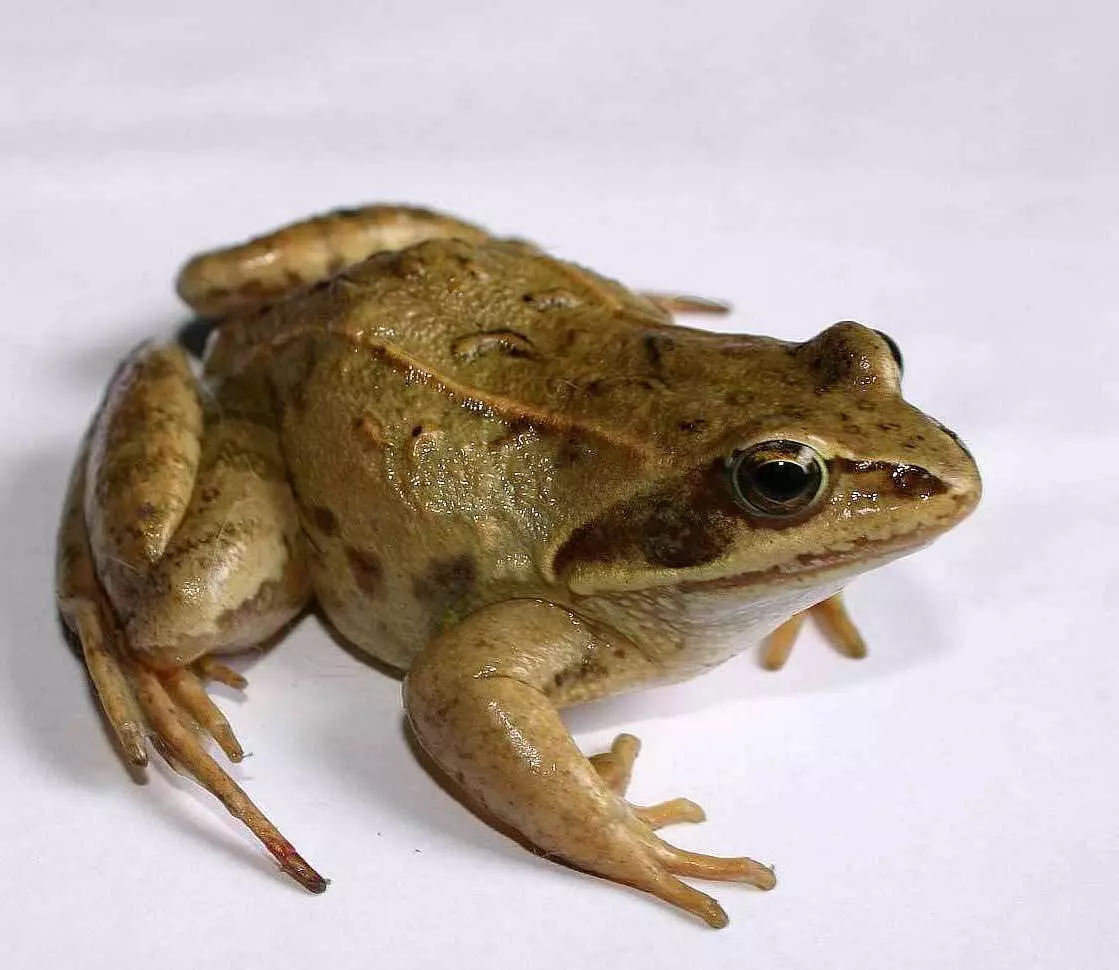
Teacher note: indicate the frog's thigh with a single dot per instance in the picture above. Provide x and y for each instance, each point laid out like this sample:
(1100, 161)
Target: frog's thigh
(271, 266)
(154, 572)
(483, 701)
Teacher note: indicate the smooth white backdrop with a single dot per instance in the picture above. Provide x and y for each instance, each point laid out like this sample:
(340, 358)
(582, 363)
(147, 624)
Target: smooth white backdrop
(946, 172)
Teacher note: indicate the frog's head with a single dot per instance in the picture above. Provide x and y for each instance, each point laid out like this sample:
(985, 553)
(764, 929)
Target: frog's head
(810, 467)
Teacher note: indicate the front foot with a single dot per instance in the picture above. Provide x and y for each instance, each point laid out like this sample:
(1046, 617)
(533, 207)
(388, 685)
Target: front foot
(615, 768)
(835, 624)
(482, 700)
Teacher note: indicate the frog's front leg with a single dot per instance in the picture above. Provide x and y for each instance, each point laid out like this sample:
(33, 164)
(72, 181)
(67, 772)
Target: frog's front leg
(835, 623)
(484, 699)
(175, 543)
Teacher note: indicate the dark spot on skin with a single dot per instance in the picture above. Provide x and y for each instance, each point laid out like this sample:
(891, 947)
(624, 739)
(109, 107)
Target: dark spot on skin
(620, 653)
(446, 581)
(146, 511)
(682, 536)
(417, 430)
(572, 451)
(209, 494)
(691, 522)
(325, 520)
(514, 430)
(366, 569)
(693, 426)
(888, 426)
(408, 266)
(911, 480)
(588, 667)
(655, 346)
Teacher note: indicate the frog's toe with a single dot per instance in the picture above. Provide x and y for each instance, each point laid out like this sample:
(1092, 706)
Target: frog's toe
(681, 862)
(835, 623)
(210, 668)
(615, 768)
(185, 687)
(170, 702)
(838, 628)
(97, 639)
(170, 709)
(672, 812)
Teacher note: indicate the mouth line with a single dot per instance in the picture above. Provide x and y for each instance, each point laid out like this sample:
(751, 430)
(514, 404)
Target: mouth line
(816, 566)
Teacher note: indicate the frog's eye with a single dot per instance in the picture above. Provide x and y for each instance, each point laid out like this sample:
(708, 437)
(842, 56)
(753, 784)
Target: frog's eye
(895, 350)
(777, 478)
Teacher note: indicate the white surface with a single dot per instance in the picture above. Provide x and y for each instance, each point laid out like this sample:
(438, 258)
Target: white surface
(945, 172)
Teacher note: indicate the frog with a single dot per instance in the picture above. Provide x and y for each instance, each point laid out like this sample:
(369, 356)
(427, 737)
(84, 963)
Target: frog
(518, 483)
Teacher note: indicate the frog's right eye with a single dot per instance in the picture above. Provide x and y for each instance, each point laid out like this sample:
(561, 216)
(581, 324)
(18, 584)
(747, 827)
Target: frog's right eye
(777, 479)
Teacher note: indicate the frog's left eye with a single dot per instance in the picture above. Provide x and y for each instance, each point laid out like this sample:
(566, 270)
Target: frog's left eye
(777, 478)
(895, 350)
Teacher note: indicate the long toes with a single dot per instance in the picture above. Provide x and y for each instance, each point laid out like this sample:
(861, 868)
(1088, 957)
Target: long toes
(187, 754)
(670, 813)
(839, 629)
(186, 690)
(779, 644)
(700, 866)
(113, 689)
(672, 890)
(210, 669)
(615, 767)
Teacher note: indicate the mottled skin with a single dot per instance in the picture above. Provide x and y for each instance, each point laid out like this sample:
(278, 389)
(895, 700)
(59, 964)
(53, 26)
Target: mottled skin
(497, 471)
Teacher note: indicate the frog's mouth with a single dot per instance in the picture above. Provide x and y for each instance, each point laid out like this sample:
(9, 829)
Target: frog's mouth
(815, 568)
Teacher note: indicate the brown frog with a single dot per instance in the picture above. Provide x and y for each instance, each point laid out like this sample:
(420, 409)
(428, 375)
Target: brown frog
(516, 480)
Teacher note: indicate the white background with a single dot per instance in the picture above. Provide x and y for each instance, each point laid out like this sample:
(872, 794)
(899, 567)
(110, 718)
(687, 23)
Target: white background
(945, 172)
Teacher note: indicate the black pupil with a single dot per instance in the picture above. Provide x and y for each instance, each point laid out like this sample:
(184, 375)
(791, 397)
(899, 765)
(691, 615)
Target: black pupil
(781, 481)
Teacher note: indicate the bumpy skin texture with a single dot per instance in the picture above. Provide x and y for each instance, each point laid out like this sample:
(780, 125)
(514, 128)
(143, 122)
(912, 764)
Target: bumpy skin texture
(498, 471)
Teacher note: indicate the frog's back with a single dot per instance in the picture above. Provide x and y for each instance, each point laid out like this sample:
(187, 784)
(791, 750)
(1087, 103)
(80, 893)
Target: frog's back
(451, 414)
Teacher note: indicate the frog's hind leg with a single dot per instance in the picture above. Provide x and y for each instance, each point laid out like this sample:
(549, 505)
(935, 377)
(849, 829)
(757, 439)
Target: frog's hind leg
(271, 266)
(835, 623)
(153, 506)
(483, 700)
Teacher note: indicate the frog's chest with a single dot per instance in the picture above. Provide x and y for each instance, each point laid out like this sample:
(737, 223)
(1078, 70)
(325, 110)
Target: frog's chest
(689, 631)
